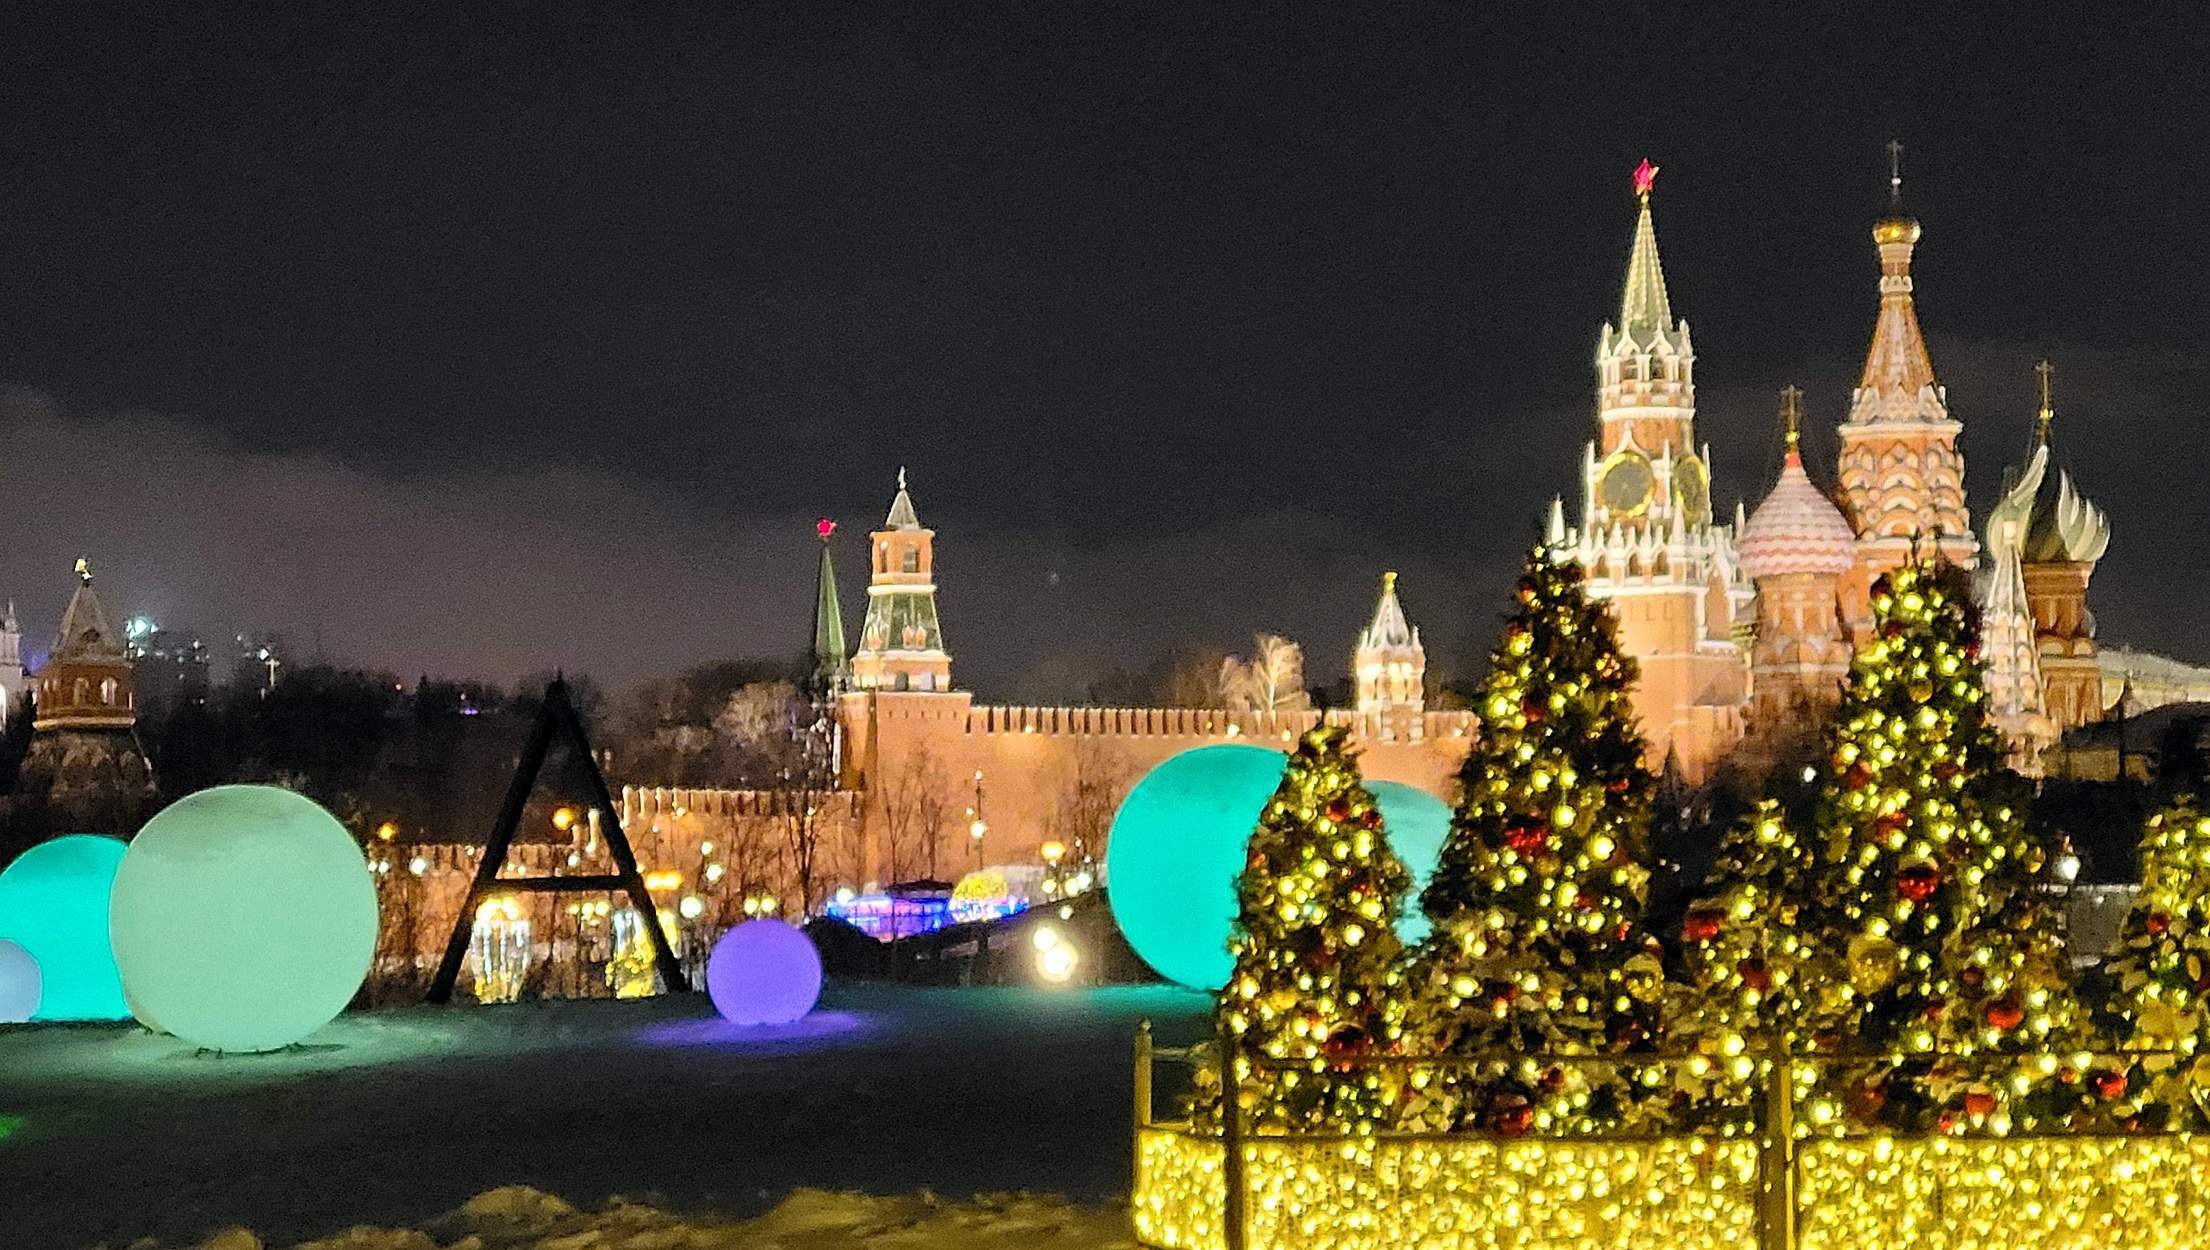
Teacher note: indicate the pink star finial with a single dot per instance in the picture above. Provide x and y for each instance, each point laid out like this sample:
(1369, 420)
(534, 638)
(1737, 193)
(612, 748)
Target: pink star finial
(1645, 177)
(824, 527)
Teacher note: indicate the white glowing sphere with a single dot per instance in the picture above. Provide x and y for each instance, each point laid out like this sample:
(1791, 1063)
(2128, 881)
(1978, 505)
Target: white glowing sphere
(19, 983)
(244, 918)
(1056, 963)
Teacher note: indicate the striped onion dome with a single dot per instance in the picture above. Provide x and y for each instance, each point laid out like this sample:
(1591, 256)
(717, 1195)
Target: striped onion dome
(1796, 530)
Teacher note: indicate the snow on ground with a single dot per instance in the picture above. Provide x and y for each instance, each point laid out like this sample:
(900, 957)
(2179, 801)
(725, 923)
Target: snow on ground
(109, 1134)
(520, 1218)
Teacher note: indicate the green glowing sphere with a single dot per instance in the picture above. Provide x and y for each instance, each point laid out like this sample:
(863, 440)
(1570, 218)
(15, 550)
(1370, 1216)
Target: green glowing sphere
(1179, 841)
(244, 918)
(54, 904)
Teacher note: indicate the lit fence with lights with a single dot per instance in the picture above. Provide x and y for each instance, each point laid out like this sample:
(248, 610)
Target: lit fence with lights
(1226, 1188)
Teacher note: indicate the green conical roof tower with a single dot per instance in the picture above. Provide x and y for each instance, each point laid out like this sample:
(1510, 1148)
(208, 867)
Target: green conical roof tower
(829, 659)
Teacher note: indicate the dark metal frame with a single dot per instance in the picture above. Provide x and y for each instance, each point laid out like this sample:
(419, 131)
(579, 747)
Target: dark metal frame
(557, 715)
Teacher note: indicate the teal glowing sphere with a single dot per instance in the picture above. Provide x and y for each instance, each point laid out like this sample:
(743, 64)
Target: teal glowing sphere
(244, 918)
(19, 983)
(1417, 824)
(54, 904)
(1180, 838)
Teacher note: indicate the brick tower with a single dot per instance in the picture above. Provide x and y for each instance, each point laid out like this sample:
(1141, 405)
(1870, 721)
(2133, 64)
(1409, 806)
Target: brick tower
(1646, 535)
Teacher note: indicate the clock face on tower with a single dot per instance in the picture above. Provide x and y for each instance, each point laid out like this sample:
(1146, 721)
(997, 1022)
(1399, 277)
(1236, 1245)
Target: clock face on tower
(1692, 490)
(1624, 486)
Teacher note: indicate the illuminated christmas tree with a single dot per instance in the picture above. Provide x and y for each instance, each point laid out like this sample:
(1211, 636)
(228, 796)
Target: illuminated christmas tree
(2153, 995)
(1316, 957)
(1926, 873)
(1742, 949)
(1538, 895)
(2016, 1007)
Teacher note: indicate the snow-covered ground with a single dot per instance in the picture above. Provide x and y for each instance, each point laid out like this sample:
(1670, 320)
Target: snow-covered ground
(398, 1118)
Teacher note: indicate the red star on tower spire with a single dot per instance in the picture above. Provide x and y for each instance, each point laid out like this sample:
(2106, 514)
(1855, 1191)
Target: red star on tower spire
(824, 527)
(1645, 177)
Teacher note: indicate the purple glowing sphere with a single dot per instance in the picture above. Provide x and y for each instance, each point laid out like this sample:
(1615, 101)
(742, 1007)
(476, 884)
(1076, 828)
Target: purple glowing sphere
(763, 972)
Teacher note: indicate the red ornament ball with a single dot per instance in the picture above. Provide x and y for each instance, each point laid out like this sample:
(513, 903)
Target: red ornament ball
(1515, 1121)
(1339, 808)
(1858, 776)
(2005, 1014)
(2111, 1085)
(1533, 710)
(1345, 1046)
(1702, 924)
(1979, 1103)
(1755, 974)
(1530, 839)
(1584, 902)
(1917, 882)
(2159, 924)
(1553, 1080)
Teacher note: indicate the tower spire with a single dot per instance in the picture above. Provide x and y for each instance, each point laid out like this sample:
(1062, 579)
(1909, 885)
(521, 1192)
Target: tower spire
(1389, 669)
(901, 647)
(1791, 417)
(1643, 306)
(828, 618)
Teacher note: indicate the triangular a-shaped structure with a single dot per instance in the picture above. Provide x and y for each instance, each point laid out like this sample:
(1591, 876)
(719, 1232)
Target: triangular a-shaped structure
(556, 717)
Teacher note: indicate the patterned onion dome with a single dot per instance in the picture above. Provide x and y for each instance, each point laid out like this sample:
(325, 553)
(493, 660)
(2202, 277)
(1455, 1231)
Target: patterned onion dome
(1796, 530)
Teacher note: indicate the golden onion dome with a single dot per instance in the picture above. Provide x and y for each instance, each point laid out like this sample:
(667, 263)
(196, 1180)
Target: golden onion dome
(1896, 227)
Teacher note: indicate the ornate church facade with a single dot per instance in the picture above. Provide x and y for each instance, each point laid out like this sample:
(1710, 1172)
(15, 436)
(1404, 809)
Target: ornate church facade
(1739, 629)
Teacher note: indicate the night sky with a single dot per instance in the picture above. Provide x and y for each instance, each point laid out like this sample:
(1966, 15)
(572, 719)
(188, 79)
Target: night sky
(477, 342)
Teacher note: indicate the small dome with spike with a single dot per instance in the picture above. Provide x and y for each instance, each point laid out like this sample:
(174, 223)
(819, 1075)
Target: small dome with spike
(2063, 526)
(1797, 529)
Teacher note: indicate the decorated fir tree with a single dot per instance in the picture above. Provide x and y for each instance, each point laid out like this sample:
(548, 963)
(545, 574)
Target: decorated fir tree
(2016, 1008)
(1316, 980)
(1924, 868)
(1742, 954)
(2153, 994)
(1537, 898)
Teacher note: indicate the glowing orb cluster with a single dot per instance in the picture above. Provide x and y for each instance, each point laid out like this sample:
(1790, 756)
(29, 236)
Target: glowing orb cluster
(54, 904)
(1179, 841)
(244, 918)
(763, 972)
(1056, 956)
(19, 983)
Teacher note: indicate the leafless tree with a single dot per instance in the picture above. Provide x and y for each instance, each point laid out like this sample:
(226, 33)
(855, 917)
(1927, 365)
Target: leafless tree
(1271, 682)
(916, 806)
(1091, 787)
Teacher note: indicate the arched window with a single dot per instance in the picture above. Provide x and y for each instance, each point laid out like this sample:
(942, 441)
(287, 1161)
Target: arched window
(912, 560)
(80, 692)
(108, 690)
